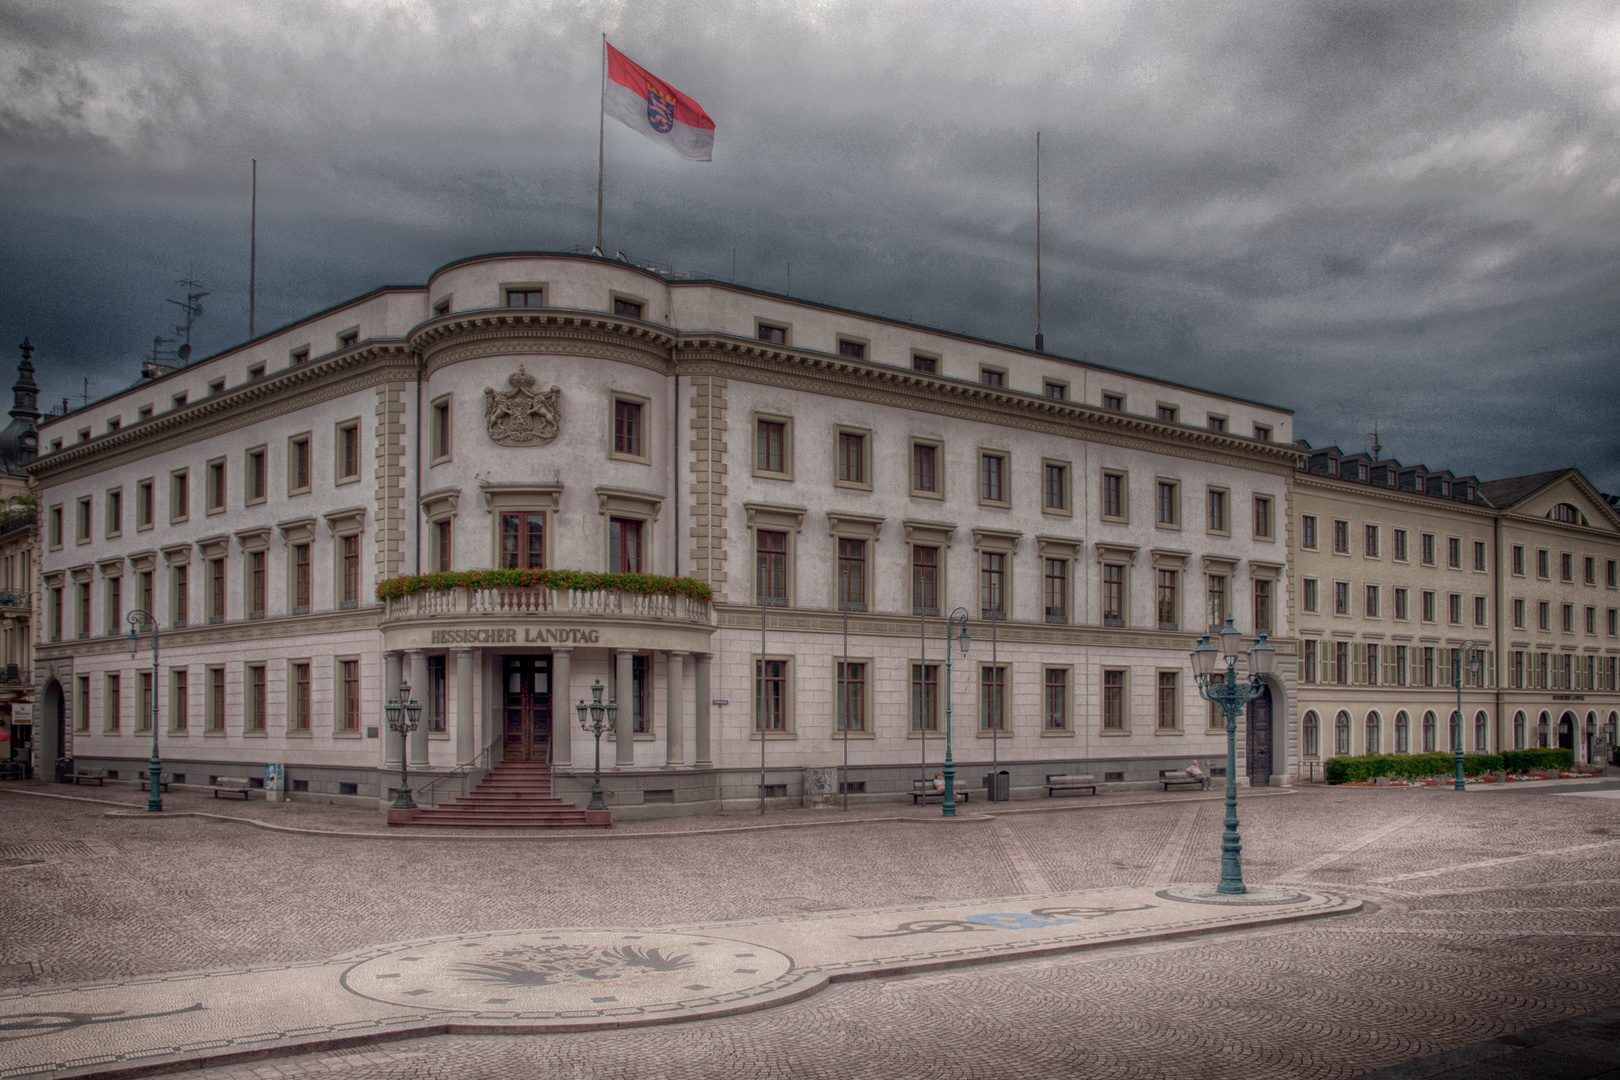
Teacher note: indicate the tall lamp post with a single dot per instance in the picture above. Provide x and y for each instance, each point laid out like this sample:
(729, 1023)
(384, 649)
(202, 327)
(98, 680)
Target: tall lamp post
(403, 713)
(597, 718)
(1230, 697)
(154, 768)
(1469, 654)
(959, 615)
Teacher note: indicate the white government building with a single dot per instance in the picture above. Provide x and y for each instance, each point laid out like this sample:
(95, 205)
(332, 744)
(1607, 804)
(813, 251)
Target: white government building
(576, 413)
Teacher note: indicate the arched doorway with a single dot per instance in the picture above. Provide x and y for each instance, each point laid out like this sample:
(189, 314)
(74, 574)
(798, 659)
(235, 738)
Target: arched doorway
(1566, 731)
(1257, 740)
(52, 737)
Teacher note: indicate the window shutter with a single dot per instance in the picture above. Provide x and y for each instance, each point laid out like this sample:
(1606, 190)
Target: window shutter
(1358, 667)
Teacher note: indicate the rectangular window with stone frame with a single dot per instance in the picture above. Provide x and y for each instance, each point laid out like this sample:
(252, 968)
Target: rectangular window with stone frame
(1216, 599)
(993, 697)
(112, 703)
(851, 696)
(180, 595)
(1264, 606)
(115, 604)
(255, 706)
(1113, 594)
(299, 690)
(301, 578)
(1055, 699)
(1055, 590)
(523, 541)
(214, 718)
(1169, 701)
(179, 700)
(1168, 598)
(143, 702)
(925, 476)
(770, 563)
(924, 697)
(771, 694)
(434, 713)
(1113, 700)
(924, 579)
(992, 584)
(624, 546)
(770, 446)
(349, 673)
(852, 573)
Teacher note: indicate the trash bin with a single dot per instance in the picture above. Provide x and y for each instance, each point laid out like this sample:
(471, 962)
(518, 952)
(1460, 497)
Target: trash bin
(64, 770)
(999, 785)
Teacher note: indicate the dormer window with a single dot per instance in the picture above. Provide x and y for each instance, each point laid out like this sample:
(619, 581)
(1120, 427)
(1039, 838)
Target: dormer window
(855, 350)
(1113, 402)
(442, 308)
(1567, 514)
(348, 339)
(626, 309)
(525, 298)
(301, 356)
(774, 335)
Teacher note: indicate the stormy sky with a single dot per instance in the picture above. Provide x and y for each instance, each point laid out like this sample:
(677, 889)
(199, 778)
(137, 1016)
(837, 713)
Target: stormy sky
(1395, 214)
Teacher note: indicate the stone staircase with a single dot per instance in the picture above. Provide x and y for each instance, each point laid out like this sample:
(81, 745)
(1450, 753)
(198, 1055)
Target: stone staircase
(515, 795)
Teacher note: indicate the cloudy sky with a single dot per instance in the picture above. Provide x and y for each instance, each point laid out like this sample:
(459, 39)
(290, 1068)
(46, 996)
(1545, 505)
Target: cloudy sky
(1395, 214)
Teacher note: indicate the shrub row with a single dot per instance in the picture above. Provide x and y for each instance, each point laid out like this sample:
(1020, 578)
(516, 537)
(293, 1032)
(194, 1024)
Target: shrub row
(1350, 770)
(1526, 760)
(579, 580)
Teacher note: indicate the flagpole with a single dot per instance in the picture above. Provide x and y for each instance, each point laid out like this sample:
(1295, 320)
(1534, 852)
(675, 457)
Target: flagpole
(1040, 338)
(253, 248)
(601, 140)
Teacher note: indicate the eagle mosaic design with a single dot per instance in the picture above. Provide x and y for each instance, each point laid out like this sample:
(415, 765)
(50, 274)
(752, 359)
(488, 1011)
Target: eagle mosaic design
(519, 416)
(559, 965)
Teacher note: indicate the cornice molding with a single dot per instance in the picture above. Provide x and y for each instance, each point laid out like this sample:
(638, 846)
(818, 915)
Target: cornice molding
(1410, 498)
(451, 339)
(282, 627)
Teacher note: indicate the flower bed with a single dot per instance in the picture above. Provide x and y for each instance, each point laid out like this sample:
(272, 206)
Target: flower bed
(577, 580)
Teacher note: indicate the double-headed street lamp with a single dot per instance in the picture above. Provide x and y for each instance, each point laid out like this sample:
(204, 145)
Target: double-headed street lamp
(1469, 654)
(404, 713)
(962, 639)
(154, 768)
(597, 718)
(1230, 696)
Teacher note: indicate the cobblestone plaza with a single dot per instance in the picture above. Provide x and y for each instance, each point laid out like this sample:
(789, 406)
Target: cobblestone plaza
(1479, 915)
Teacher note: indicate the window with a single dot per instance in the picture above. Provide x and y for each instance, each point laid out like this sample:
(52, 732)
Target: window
(1426, 548)
(258, 587)
(1341, 662)
(928, 365)
(1591, 570)
(1055, 700)
(1569, 618)
(1113, 594)
(1055, 486)
(298, 712)
(1591, 617)
(254, 707)
(855, 350)
(1370, 610)
(626, 309)
(1341, 598)
(852, 573)
(1055, 590)
(1167, 595)
(214, 703)
(1311, 734)
(992, 697)
(1216, 590)
(439, 432)
(627, 431)
(1057, 391)
(1428, 606)
(1518, 559)
(1403, 733)
(924, 697)
(254, 371)
(55, 528)
(1308, 594)
(770, 565)
(1341, 734)
(444, 544)
(1168, 504)
(526, 297)
(1113, 403)
(1214, 721)
(1369, 543)
(1479, 612)
(993, 479)
(115, 605)
(82, 597)
(81, 704)
(81, 529)
(852, 463)
(775, 335)
(1454, 553)
(1113, 704)
(925, 468)
(1400, 545)
(1169, 701)
(256, 483)
(1168, 414)
(435, 693)
(771, 694)
(1479, 554)
(298, 474)
(349, 571)
(1429, 734)
(1307, 667)
(1566, 566)
(216, 590)
(301, 578)
(348, 451)
(180, 595)
(1262, 517)
(1518, 613)
(56, 613)
(178, 401)
(993, 583)
(1216, 423)
(1614, 618)
(143, 584)
(1262, 432)
(925, 580)
(1543, 616)
(1454, 608)
(1263, 607)
(770, 446)
(112, 707)
(349, 718)
(1341, 537)
(1374, 734)
(1402, 609)
(523, 541)
(1613, 573)
(442, 308)
(851, 697)
(115, 513)
(992, 377)
(1113, 496)
(348, 339)
(1543, 564)
(1217, 511)
(624, 546)
(1307, 531)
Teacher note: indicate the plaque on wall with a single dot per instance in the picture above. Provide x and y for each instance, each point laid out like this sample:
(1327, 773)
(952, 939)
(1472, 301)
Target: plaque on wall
(518, 416)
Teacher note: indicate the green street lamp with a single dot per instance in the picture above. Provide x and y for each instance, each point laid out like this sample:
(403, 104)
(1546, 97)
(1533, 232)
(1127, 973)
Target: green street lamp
(1469, 654)
(154, 768)
(403, 714)
(597, 718)
(1230, 696)
(963, 640)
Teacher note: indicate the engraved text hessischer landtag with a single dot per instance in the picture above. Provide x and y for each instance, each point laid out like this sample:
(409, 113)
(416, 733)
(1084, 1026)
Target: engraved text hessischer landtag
(519, 416)
(500, 635)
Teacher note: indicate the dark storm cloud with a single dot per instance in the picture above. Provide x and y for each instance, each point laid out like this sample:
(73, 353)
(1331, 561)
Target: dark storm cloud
(1375, 213)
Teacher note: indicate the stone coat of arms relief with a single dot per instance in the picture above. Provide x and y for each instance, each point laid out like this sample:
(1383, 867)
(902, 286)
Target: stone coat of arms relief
(519, 416)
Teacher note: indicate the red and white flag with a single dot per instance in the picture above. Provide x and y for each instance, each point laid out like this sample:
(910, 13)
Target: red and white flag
(641, 100)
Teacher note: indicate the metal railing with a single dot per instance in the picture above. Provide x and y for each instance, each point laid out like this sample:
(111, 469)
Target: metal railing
(12, 675)
(11, 599)
(429, 795)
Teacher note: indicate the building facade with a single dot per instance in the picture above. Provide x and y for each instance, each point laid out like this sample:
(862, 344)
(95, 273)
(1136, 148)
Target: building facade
(275, 506)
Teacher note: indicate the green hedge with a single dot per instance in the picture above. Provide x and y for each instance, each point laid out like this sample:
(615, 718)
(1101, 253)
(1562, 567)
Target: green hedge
(1526, 760)
(1350, 770)
(583, 581)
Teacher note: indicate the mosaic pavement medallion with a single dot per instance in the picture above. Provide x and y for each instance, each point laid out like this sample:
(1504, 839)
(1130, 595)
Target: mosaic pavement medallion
(538, 975)
(1257, 895)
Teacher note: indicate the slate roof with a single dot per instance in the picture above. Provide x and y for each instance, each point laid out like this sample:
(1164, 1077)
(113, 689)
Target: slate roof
(1505, 493)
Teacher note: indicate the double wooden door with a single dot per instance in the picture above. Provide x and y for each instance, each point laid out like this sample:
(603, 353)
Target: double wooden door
(1258, 743)
(526, 702)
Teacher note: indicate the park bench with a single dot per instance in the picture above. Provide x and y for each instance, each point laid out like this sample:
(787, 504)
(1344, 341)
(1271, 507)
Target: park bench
(1178, 778)
(922, 790)
(232, 785)
(1056, 782)
(80, 776)
(164, 781)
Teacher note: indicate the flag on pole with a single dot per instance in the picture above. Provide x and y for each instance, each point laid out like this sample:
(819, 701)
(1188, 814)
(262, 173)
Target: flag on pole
(642, 101)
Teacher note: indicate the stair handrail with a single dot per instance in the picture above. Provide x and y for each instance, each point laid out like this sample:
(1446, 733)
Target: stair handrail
(461, 771)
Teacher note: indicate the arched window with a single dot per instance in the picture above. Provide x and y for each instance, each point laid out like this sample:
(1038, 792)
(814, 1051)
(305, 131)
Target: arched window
(1566, 513)
(1311, 734)
(1518, 731)
(1341, 734)
(1375, 736)
(1428, 733)
(1454, 729)
(1481, 734)
(1403, 733)
(1543, 730)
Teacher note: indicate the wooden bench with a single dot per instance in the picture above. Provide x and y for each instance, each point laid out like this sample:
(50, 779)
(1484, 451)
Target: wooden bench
(82, 775)
(924, 789)
(232, 785)
(1056, 782)
(163, 782)
(1178, 778)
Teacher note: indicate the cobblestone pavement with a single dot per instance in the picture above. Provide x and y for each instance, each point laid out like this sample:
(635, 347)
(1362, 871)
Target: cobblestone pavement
(1487, 915)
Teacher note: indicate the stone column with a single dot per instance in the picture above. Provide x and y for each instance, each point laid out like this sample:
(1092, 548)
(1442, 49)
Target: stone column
(490, 718)
(466, 723)
(700, 695)
(562, 708)
(624, 730)
(390, 690)
(675, 709)
(419, 690)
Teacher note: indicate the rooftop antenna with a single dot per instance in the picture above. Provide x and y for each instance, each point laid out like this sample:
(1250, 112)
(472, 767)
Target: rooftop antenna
(163, 359)
(85, 395)
(1375, 447)
(1040, 338)
(193, 311)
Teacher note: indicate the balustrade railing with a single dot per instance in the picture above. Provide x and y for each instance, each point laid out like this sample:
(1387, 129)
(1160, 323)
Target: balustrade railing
(503, 600)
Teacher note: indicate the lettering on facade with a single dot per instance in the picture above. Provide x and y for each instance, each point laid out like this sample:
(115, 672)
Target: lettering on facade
(534, 635)
(1569, 697)
(519, 416)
